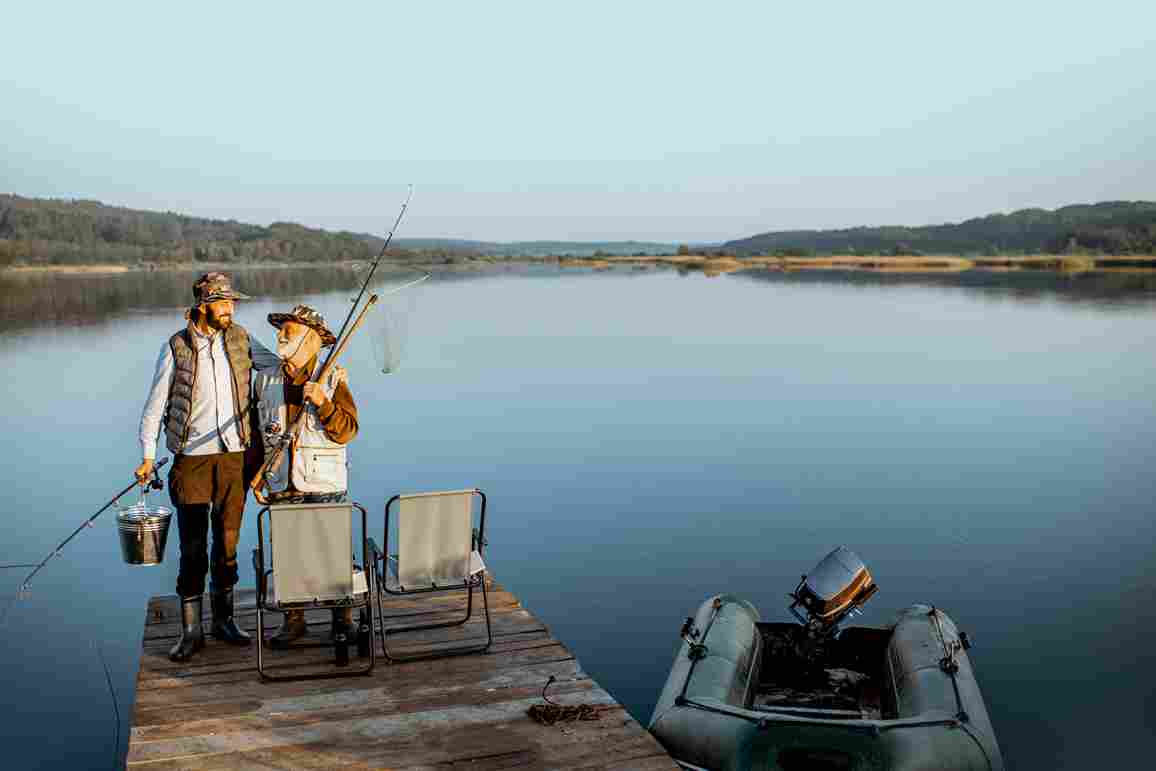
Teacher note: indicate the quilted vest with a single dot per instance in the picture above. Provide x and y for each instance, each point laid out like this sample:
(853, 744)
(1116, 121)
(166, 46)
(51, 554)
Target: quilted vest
(317, 464)
(180, 405)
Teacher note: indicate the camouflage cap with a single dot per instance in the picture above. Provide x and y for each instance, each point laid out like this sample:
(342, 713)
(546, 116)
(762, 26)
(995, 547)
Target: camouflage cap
(303, 314)
(216, 286)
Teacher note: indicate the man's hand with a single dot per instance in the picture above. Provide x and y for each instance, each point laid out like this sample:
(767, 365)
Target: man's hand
(315, 394)
(144, 471)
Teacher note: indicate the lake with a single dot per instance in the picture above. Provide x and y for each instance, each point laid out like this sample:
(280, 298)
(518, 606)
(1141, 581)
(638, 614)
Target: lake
(985, 442)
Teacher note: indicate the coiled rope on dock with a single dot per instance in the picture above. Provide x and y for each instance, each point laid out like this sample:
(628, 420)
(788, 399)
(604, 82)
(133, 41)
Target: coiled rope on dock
(552, 713)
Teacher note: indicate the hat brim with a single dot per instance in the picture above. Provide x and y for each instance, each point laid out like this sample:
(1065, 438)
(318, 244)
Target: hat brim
(229, 295)
(278, 319)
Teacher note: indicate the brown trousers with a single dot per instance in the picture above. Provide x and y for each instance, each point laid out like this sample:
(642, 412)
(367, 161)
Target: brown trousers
(208, 490)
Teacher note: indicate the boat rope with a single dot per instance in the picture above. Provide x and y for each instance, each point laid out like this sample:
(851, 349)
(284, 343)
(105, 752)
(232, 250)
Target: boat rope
(552, 712)
(949, 664)
(983, 750)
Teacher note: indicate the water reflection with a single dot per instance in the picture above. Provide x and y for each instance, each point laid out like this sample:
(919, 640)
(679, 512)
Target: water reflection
(646, 440)
(48, 299)
(38, 299)
(1106, 290)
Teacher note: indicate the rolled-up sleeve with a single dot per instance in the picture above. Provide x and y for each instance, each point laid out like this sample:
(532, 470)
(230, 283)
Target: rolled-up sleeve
(154, 409)
(339, 416)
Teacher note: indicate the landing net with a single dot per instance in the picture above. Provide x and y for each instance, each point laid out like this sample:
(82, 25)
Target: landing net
(396, 304)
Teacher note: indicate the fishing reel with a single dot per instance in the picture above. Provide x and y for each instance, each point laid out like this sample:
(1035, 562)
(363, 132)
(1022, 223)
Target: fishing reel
(155, 482)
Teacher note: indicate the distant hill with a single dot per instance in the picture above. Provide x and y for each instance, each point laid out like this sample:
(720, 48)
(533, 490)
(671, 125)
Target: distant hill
(1112, 227)
(64, 231)
(52, 231)
(526, 248)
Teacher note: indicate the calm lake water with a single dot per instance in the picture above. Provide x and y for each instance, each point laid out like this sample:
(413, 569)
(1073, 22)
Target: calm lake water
(984, 442)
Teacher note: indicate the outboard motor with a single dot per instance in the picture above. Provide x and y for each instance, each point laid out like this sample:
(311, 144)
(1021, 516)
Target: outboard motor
(835, 590)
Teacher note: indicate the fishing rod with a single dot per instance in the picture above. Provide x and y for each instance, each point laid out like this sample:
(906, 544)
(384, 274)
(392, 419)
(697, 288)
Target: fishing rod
(346, 332)
(274, 459)
(155, 483)
(376, 262)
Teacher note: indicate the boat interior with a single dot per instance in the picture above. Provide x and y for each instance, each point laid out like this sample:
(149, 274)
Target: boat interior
(837, 678)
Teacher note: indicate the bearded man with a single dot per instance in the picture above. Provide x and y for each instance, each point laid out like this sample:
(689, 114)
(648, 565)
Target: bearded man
(313, 469)
(201, 396)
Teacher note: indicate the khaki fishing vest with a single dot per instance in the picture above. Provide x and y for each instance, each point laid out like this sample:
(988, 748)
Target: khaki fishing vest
(180, 405)
(318, 464)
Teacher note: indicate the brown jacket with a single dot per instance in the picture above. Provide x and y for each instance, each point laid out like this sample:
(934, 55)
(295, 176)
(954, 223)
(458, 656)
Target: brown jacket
(338, 418)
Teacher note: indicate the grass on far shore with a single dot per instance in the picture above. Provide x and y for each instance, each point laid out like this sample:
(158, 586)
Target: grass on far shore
(711, 265)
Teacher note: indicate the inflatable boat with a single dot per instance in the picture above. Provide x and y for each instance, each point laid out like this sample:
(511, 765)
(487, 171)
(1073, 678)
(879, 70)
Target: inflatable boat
(744, 694)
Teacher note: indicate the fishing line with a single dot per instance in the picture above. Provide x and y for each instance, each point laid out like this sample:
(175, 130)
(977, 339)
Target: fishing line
(17, 565)
(115, 705)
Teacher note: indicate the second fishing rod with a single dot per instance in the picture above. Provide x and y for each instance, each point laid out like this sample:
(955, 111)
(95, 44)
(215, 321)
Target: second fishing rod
(343, 336)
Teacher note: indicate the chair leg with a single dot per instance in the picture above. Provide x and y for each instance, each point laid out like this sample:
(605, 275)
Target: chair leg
(456, 651)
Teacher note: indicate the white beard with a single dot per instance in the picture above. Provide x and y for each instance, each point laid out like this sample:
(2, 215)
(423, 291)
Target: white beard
(289, 348)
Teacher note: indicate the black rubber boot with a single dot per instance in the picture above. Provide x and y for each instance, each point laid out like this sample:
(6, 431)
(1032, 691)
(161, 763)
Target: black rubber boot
(292, 628)
(224, 627)
(343, 622)
(192, 635)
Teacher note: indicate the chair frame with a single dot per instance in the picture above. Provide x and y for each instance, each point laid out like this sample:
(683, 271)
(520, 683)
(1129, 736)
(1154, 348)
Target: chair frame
(262, 600)
(380, 560)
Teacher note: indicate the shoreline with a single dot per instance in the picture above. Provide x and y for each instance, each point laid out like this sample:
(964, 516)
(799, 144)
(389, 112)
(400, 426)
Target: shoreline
(708, 264)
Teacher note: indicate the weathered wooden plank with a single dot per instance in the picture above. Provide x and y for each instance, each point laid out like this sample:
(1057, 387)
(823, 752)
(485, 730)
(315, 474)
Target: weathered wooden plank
(196, 672)
(244, 688)
(274, 714)
(415, 737)
(513, 621)
(214, 713)
(166, 608)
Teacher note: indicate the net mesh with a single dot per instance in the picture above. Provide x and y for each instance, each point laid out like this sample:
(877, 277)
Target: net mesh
(395, 309)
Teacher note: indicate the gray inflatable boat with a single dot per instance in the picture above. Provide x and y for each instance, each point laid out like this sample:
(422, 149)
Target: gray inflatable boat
(745, 694)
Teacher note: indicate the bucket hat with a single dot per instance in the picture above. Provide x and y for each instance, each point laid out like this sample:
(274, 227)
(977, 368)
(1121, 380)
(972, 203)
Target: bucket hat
(303, 314)
(216, 286)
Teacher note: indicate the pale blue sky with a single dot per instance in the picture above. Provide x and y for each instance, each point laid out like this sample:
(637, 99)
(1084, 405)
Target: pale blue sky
(592, 120)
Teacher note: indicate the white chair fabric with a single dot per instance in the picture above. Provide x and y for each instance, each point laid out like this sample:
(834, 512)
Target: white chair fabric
(435, 543)
(312, 552)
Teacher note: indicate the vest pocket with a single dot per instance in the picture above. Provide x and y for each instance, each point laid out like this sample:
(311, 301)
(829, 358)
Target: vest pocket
(323, 465)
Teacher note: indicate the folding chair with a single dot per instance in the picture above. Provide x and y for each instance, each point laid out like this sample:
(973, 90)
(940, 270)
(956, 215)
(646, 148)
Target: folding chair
(438, 550)
(311, 567)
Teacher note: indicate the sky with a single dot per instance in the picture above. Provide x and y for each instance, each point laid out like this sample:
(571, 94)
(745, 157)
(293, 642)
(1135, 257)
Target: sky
(664, 121)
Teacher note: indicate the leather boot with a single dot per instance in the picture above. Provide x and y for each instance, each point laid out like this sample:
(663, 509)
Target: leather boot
(224, 627)
(292, 628)
(343, 622)
(192, 635)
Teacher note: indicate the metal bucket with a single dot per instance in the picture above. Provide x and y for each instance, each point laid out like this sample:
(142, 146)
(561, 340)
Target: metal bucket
(143, 529)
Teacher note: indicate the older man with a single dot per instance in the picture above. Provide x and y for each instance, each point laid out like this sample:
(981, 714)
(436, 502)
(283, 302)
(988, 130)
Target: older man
(200, 395)
(313, 470)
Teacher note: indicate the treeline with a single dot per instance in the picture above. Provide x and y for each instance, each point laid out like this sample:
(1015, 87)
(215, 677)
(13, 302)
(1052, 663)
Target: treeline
(1113, 227)
(56, 231)
(38, 231)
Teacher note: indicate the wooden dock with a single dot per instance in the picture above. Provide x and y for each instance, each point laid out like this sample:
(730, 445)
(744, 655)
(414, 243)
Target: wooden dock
(463, 712)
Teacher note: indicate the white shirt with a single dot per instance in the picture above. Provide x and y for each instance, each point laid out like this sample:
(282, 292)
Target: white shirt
(213, 423)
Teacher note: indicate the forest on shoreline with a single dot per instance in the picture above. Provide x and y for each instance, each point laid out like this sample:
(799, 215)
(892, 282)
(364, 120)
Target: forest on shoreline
(38, 232)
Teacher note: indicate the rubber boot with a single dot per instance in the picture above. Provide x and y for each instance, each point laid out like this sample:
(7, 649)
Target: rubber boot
(292, 628)
(224, 627)
(343, 622)
(192, 635)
